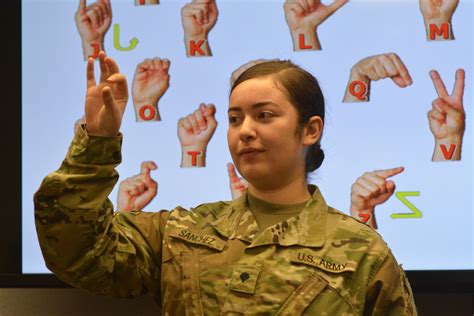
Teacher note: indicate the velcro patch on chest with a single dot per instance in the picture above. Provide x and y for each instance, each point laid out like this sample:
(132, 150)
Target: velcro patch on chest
(322, 262)
(198, 238)
(244, 279)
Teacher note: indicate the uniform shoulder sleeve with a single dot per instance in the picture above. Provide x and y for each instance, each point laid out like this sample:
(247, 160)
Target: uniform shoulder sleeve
(389, 292)
(82, 240)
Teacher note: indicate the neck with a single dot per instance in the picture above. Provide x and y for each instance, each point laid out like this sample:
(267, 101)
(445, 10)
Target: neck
(292, 193)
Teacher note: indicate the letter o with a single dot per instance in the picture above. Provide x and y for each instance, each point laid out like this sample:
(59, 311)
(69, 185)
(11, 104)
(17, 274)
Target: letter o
(143, 112)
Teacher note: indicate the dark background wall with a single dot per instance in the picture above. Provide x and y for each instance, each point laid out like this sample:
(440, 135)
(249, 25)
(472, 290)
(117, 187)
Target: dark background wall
(73, 302)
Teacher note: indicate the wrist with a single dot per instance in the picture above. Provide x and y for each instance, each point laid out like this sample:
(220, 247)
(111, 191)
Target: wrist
(197, 45)
(447, 149)
(451, 139)
(305, 38)
(146, 110)
(91, 48)
(358, 87)
(438, 29)
(193, 156)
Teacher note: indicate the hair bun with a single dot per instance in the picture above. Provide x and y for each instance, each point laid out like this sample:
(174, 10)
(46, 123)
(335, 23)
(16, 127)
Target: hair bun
(315, 157)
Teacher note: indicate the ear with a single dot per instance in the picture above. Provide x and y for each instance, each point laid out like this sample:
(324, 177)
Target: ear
(313, 130)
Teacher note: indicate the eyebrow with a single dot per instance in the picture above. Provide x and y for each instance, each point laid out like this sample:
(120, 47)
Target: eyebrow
(254, 106)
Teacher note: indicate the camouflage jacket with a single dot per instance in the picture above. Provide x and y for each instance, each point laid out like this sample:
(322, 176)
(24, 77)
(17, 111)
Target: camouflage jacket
(212, 259)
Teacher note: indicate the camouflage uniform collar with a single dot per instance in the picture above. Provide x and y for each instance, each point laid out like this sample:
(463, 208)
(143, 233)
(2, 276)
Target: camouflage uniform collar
(228, 220)
(307, 229)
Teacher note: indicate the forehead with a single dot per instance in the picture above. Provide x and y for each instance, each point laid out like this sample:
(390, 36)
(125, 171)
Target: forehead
(258, 90)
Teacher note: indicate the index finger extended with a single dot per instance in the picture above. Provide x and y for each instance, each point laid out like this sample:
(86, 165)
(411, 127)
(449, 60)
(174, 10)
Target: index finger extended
(438, 84)
(90, 73)
(386, 173)
(232, 174)
(82, 6)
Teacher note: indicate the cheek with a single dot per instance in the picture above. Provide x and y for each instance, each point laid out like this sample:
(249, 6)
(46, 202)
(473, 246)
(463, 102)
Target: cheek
(231, 140)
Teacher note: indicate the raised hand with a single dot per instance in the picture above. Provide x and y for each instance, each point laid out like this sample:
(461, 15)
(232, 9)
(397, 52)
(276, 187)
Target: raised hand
(194, 133)
(198, 18)
(447, 118)
(93, 22)
(369, 190)
(105, 101)
(374, 68)
(303, 18)
(136, 192)
(237, 184)
(150, 83)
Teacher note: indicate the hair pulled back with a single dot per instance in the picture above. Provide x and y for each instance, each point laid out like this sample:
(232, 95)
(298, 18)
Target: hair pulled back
(302, 90)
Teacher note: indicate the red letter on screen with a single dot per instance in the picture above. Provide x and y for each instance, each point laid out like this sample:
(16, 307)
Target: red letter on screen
(358, 89)
(95, 54)
(193, 48)
(448, 154)
(302, 43)
(435, 31)
(194, 155)
(147, 112)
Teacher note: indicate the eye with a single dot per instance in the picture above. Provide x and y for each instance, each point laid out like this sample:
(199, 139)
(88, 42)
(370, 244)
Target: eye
(234, 119)
(265, 115)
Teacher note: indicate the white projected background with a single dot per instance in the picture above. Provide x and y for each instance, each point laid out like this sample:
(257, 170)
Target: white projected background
(389, 131)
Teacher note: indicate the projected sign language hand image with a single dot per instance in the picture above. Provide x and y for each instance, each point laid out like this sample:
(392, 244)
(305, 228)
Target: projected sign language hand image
(93, 22)
(198, 18)
(304, 18)
(369, 190)
(150, 83)
(195, 132)
(372, 125)
(447, 118)
(237, 184)
(438, 15)
(136, 192)
(374, 68)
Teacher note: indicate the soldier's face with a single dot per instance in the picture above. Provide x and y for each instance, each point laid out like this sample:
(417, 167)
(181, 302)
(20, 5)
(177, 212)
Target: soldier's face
(262, 136)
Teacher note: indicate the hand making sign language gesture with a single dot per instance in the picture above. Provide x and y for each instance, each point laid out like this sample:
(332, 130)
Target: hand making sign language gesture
(304, 17)
(136, 192)
(374, 68)
(237, 184)
(105, 101)
(198, 18)
(195, 132)
(93, 22)
(369, 190)
(150, 83)
(447, 118)
(437, 15)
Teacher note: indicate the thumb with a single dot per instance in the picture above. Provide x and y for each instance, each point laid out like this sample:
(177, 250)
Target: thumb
(119, 82)
(336, 5)
(108, 98)
(390, 186)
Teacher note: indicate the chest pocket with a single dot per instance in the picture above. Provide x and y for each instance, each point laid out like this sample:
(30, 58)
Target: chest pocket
(180, 269)
(336, 274)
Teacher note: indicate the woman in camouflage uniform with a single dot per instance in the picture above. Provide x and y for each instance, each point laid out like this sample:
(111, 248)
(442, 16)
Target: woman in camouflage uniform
(277, 249)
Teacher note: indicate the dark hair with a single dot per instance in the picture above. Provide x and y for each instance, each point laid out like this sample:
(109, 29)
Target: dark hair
(302, 90)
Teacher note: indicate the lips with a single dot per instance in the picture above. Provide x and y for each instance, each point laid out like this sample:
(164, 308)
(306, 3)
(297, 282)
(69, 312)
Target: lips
(250, 151)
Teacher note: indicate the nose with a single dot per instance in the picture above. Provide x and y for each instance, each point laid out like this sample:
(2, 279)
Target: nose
(247, 130)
